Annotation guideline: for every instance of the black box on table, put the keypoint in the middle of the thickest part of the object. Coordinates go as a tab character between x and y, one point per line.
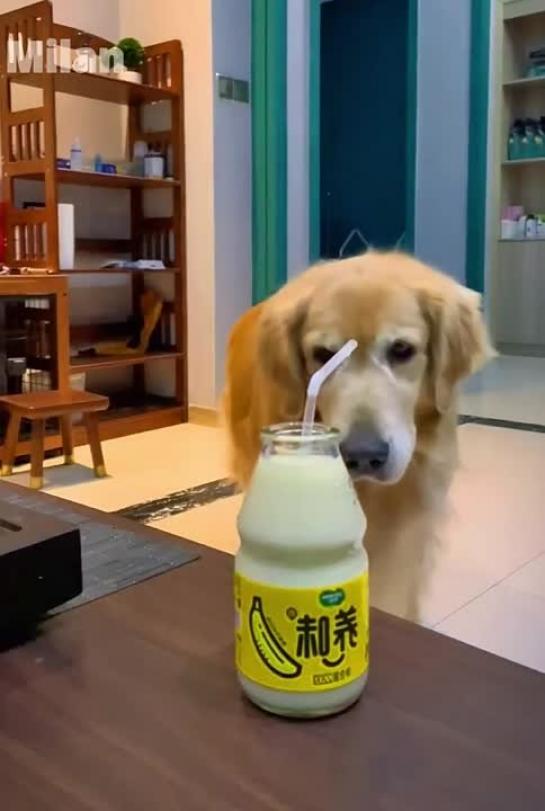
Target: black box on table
40	565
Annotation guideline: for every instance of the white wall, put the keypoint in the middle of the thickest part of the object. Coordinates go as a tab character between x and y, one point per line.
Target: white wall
96	124
444	36
231	21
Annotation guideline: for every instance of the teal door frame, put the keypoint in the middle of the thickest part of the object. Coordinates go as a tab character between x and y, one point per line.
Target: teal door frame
314	127
481	11
269	146
412	102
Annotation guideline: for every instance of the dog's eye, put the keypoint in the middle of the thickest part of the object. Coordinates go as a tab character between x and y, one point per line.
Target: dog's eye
321	354
401	352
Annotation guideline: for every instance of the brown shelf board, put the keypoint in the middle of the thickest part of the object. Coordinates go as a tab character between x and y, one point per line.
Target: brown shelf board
524	162
117	422
115	271
101	179
99	87
107	181
132	406
131	413
525	81
520	241
118	361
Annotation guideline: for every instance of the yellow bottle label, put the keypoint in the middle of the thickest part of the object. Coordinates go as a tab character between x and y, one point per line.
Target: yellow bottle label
302	640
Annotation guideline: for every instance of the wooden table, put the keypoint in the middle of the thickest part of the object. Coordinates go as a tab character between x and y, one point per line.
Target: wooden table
131	704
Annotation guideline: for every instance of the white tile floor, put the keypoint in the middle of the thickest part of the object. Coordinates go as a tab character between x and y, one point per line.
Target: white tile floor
496	519
508	619
142	467
488	584
509	388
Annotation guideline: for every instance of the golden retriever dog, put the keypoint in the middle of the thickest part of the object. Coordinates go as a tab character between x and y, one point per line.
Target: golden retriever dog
419	334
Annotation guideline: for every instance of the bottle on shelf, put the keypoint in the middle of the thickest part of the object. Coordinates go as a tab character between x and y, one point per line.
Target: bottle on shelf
140	151
76	156
539	140
530	227
515	142
528	140
536	63
15	369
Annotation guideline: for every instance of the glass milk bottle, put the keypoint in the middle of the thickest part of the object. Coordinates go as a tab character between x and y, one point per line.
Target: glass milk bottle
301	581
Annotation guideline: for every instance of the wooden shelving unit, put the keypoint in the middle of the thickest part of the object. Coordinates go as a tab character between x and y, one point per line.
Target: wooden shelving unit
517	267
29	152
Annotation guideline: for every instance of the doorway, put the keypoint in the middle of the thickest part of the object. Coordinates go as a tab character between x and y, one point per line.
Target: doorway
367	122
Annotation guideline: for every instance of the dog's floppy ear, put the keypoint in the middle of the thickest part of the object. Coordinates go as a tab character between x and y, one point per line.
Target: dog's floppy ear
458	339
280	352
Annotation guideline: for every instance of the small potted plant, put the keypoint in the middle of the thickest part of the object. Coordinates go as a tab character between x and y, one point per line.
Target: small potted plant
133	59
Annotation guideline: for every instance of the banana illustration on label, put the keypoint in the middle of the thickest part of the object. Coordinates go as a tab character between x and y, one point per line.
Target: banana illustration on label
270	651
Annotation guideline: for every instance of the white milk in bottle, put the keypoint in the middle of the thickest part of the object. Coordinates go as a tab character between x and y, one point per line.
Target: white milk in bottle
301	582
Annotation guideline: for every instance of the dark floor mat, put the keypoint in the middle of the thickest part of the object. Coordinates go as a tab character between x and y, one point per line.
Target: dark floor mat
112	558
179	502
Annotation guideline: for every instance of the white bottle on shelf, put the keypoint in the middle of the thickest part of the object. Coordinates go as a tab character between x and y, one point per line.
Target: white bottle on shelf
76	156
531	227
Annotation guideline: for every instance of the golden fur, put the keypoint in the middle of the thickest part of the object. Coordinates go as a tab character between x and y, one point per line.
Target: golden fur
376	299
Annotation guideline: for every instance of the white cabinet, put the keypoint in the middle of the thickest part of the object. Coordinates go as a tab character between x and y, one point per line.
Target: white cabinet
519	296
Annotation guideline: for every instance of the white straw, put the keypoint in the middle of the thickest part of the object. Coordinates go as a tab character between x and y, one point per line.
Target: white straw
318	379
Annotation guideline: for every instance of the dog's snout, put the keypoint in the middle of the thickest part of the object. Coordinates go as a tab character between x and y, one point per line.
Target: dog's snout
365	454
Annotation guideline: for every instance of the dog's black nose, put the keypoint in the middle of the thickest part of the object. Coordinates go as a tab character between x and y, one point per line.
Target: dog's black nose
365	454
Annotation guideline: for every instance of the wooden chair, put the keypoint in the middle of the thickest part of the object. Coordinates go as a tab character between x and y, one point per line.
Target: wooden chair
40	406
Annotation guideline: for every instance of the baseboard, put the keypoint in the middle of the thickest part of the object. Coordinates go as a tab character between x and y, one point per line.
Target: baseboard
204	416
524	350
